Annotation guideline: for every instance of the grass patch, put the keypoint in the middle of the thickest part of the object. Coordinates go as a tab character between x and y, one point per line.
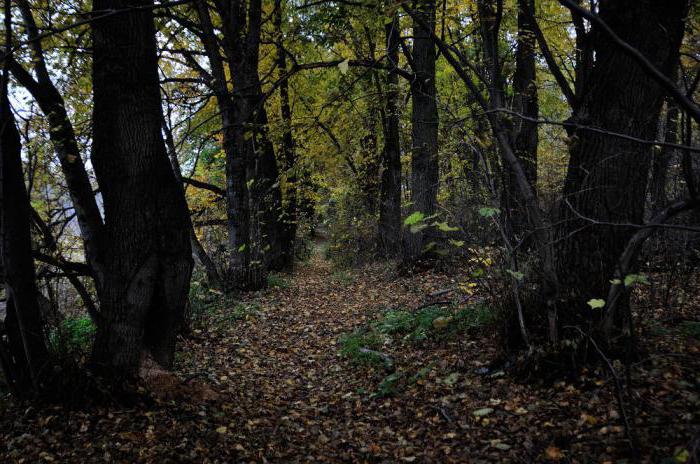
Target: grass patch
433	322
351	347
205	301
211	307
368	345
240	311
276	281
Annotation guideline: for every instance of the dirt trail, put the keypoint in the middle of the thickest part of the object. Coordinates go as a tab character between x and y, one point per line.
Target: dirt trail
286	396
280	367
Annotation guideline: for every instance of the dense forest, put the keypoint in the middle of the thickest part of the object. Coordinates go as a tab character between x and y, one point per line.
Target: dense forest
350	231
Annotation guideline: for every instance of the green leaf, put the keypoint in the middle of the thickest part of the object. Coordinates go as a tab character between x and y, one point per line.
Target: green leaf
616	281
343	66
456	243
242	248
632	279
452	378
488	211
517	275
681	456
414	218
445	227
596	303
482	412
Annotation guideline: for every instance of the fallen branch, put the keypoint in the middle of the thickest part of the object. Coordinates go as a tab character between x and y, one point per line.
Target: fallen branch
388	360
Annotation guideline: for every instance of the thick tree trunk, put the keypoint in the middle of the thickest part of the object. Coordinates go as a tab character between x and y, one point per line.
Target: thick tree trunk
237	195
25	358
265	194
287	150
148	259
607	176
424	118
254	198
390	188
525	102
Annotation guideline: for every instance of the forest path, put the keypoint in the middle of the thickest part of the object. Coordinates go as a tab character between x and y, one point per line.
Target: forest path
285	395
291	396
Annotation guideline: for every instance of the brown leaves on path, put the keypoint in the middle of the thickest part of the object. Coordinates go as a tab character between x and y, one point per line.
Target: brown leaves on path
282	393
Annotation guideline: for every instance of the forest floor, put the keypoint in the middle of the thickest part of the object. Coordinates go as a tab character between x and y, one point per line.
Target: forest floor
279	389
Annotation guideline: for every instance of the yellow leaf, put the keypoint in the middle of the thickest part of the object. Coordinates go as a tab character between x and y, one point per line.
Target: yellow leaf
441	322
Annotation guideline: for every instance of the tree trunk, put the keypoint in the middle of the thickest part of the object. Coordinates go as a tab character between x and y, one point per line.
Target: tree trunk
237	195
25	358
662	159
424	118
525	102
254	198
607	176
287	149
147	257
390	189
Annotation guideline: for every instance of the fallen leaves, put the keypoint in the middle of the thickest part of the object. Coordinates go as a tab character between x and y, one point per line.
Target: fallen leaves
270	386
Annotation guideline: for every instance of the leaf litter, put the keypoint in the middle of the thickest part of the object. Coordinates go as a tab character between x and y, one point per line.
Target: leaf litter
277	389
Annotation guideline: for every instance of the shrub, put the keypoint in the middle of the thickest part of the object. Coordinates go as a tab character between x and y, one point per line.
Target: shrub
73	335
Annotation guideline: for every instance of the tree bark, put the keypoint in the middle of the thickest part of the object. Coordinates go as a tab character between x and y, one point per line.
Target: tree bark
424	118
607	177
25	358
287	149
148	259
237	194
390	188
526	137
662	159
254	198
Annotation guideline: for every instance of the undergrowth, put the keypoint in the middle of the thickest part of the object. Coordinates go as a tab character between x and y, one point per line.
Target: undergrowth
369	345
212	308
72	337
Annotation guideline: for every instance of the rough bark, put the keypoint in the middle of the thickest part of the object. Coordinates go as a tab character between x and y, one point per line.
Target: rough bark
607	177
662	159
390	188
287	148
526	140
254	197
237	195
25	358
148	261
424	119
